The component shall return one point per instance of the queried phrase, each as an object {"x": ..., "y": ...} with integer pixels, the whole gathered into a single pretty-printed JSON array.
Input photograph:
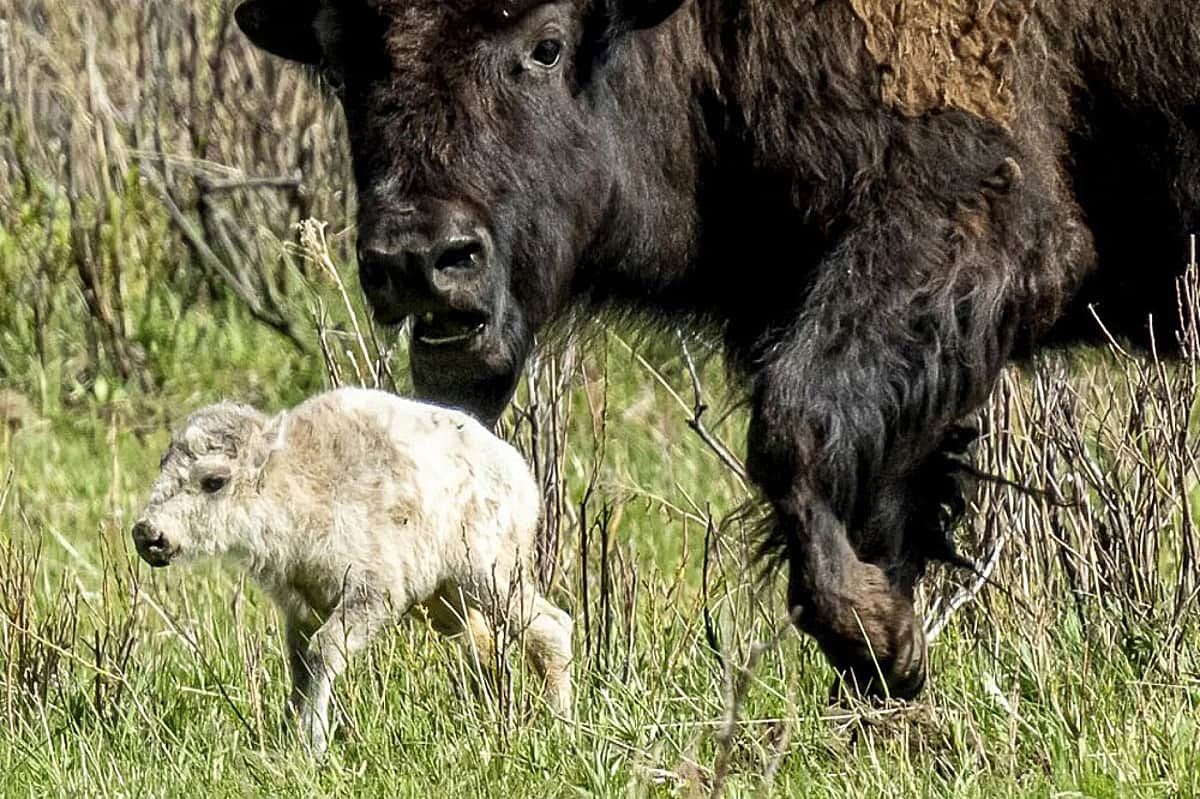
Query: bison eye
[
  {"x": 547, "y": 53},
  {"x": 213, "y": 484}
]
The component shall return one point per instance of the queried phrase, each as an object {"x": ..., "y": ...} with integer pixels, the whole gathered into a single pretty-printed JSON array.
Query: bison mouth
[{"x": 449, "y": 329}]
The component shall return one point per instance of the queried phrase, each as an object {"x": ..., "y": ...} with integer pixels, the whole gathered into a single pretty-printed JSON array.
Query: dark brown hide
[{"x": 877, "y": 204}]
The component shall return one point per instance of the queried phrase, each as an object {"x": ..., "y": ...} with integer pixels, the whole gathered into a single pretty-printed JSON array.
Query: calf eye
[
  {"x": 212, "y": 485},
  {"x": 547, "y": 53}
]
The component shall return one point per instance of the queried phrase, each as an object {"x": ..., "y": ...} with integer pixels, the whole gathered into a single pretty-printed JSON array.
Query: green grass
[{"x": 119, "y": 681}]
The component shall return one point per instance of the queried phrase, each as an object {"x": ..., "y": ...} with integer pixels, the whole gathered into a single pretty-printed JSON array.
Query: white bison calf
[{"x": 352, "y": 509}]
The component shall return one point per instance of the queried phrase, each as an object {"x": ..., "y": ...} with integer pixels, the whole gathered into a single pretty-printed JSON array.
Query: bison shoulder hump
[{"x": 936, "y": 54}]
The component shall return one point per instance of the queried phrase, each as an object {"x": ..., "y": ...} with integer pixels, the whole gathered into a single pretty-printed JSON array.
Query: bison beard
[{"x": 877, "y": 209}]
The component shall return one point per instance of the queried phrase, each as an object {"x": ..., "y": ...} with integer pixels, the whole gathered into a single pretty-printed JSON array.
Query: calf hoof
[
  {"x": 558, "y": 697},
  {"x": 313, "y": 732}
]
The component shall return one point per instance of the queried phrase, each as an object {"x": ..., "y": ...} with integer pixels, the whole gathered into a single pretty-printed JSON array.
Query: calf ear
[
  {"x": 627, "y": 15},
  {"x": 282, "y": 27},
  {"x": 269, "y": 440}
]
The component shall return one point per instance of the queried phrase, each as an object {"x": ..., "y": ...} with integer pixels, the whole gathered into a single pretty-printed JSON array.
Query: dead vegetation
[{"x": 155, "y": 145}]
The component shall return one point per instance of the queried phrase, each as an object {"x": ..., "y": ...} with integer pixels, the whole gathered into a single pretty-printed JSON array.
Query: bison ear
[
  {"x": 609, "y": 20},
  {"x": 628, "y": 15},
  {"x": 285, "y": 28}
]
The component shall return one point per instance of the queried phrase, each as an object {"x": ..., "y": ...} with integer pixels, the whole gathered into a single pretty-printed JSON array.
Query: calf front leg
[
  {"x": 318, "y": 659},
  {"x": 299, "y": 631}
]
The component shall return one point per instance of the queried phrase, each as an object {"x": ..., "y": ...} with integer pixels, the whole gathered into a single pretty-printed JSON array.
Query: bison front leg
[
  {"x": 853, "y": 408},
  {"x": 864, "y": 622}
]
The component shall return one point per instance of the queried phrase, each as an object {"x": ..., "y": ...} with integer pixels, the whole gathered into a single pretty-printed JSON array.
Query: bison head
[{"x": 485, "y": 155}]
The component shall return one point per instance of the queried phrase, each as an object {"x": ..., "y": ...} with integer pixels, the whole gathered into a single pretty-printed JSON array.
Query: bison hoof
[
  {"x": 894, "y": 685},
  {"x": 901, "y": 676}
]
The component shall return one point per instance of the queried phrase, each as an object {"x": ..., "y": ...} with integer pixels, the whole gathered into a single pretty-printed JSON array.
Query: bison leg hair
[
  {"x": 866, "y": 626},
  {"x": 856, "y": 414},
  {"x": 855, "y": 517}
]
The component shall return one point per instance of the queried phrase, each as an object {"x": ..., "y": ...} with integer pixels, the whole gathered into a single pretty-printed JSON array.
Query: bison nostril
[
  {"x": 371, "y": 277},
  {"x": 460, "y": 254},
  {"x": 373, "y": 267}
]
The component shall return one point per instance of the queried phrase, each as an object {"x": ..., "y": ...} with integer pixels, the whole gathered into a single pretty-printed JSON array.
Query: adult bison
[{"x": 877, "y": 204}]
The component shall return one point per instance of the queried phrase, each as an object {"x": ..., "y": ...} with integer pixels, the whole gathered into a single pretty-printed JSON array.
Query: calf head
[
  {"x": 200, "y": 504},
  {"x": 485, "y": 153}
]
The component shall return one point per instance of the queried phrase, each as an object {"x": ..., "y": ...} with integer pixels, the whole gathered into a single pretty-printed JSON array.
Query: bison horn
[
  {"x": 282, "y": 27},
  {"x": 639, "y": 14}
]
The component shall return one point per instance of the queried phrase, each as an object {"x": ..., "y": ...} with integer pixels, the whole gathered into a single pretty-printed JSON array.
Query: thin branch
[
  {"x": 315, "y": 247},
  {"x": 697, "y": 421},
  {"x": 740, "y": 691},
  {"x": 710, "y": 627},
  {"x": 214, "y": 262},
  {"x": 240, "y": 184},
  {"x": 968, "y": 593}
]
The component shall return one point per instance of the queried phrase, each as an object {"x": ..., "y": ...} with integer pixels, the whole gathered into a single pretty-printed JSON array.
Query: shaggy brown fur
[
  {"x": 877, "y": 204},
  {"x": 936, "y": 54}
]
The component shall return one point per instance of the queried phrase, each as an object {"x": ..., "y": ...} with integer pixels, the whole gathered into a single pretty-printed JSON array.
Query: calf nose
[
  {"x": 143, "y": 533},
  {"x": 151, "y": 544},
  {"x": 147, "y": 538}
]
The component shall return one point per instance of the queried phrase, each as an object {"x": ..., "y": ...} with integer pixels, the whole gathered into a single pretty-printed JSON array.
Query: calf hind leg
[
  {"x": 545, "y": 633},
  {"x": 548, "y": 646},
  {"x": 453, "y": 615}
]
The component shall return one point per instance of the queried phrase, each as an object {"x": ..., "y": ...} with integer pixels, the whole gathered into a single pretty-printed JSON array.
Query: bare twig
[
  {"x": 248, "y": 294},
  {"x": 710, "y": 627},
  {"x": 740, "y": 689},
  {"x": 315, "y": 248},
  {"x": 968, "y": 593},
  {"x": 198, "y": 651},
  {"x": 696, "y": 409},
  {"x": 696, "y": 423},
  {"x": 242, "y": 184}
]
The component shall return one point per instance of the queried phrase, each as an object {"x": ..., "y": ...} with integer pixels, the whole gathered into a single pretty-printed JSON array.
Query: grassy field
[{"x": 144, "y": 272}]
